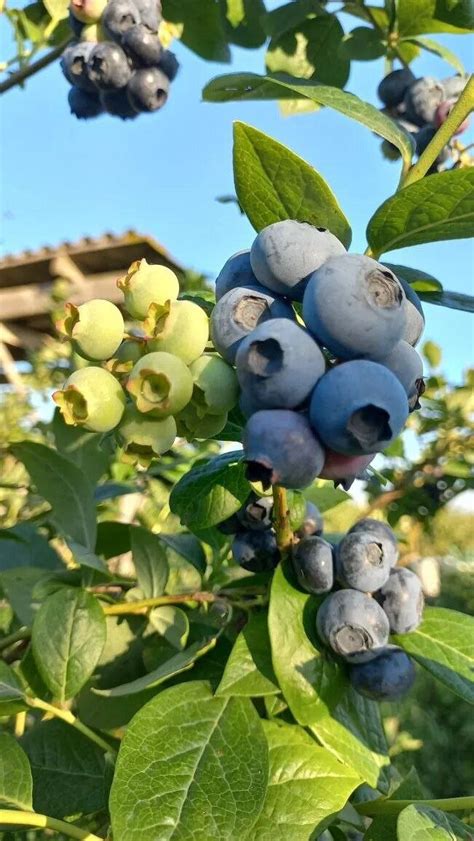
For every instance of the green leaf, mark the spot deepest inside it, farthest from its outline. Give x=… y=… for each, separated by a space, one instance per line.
x=19 y=587
x=68 y=636
x=243 y=22
x=288 y=16
x=211 y=492
x=11 y=692
x=81 y=447
x=440 y=50
x=16 y=784
x=113 y=538
x=273 y=183
x=172 y=623
x=250 y=86
x=57 y=9
x=419 y=280
x=384 y=827
x=306 y=784
x=310 y=682
x=69 y=771
x=444 y=646
x=65 y=487
x=202 y=23
x=189 y=547
x=174 y=782
x=311 y=50
x=84 y=557
x=452 y=16
x=451 y=300
x=249 y=671
x=150 y=562
x=423 y=823
x=354 y=733
x=111 y=490
x=363 y=44
x=181 y=662
x=24 y=546
x=438 y=207
x=324 y=495
x=432 y=352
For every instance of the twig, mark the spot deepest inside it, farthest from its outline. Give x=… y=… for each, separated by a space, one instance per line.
x=393 y=807
x=21 y=75
x=69 y=718
x=143 y=605
x=22 y=634
x=13 y=817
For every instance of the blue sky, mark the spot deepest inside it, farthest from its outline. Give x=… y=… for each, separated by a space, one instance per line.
x=62 y=179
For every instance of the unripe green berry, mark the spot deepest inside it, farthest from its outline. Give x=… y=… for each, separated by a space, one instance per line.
x=143 y=437
x=129 y=352
x=160 y=383
x=92 y=398
x=178 y=327
x=87 y=11
x=215 y=384
x=93 y=32
x=95 y=328
x=144 y=285
x=192 y=423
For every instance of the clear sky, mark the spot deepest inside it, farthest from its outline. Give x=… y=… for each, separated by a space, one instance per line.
x=63 y=179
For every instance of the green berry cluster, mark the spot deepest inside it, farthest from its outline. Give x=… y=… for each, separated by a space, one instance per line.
x=150 y=378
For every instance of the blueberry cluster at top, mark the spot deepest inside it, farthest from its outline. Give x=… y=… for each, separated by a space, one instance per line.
x=369 y=598
x=118 y=64
x=321 y=397
x=150 y=379
x=420 y=106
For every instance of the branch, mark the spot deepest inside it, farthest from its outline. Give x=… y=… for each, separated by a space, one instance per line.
x=21 y=75
x=393 y=807
x=143 y=605
x=14 y=818
x=22 y=634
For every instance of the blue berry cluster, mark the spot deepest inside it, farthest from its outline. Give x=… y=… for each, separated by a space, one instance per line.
x=369 y=598
x=118 y=64
x=322 y=393
x=420 y=106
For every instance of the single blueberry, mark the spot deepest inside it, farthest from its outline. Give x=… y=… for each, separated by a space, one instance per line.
x=284 y=254
x=278 y=365
x=239 y=312
x=256 y=514
x=150 y=13
x=312 y=523
x=393 y=87
x=148 y=89
x=363 y=562
x=386 y=678
x=117 y=103
x=280 y=448
x=84 y=105
x=256 y=551
x=108 y=66
x=422 y=99
x=169 y=65
x=358 y=408
x=232 y=525
x=414 y=315
x=402 y=600
x=142 y=45
x=407 y=365
x=237 y=271
x=313 y=563
x=119 y=15
x=354 y=306
x=379 y=531
x=353 y=625
x=74 y=65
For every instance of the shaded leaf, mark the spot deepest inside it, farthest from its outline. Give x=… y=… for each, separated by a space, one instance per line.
x=249 y=671
x=243 y=22
x=363 y=44
x=202 y=24
x=150 y=562
x=273 y=183
x=189 y=547
x=16 y=784
x=172 y=623
x=312 y=50
x=287 y=17
x=24 y=546
x=384 y=827
x=211 y=492
x=68 y=636
x=81 y=447
x=324 y=495
x=19 y=586
x=423 y=823
x=210 y=787
x=84 y=557
x=11 y=692
x=444 y=645
x=438 y=207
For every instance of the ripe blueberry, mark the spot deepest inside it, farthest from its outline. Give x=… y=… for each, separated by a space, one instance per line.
x=160 y=383
x=353 y=625
x=108 y=67
x=146 y=284
x=239 y=312
x=407 y=365
x=169 y=65
x=150 y=13
x=148 y=89
x=178 y=327
x=358 y=408
x=278 y=365
x=143 y=437
x=74 y=65
x=386 y=678
x=84 y=104
x=363 y=562
x=117 y=103
x=285 y=253
x=92 y=398
x=280 y=448
x=422 y=99
x=354 y=306
x=142 y=45
x=256 y=514
x=402 y=600
x=393 y=87
x=120 y=15
x=237 y=271
x=215 y=384
x=314 y=565
x=256 y=551
x=94 y=328
x=379 y=531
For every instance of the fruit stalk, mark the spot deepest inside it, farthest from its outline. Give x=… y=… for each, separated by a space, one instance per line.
x=393 y=807
x=463 y=107
x=281 y=515
x=15 y=817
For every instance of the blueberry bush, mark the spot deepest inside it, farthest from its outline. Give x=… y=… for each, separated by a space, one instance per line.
x=185 y=651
